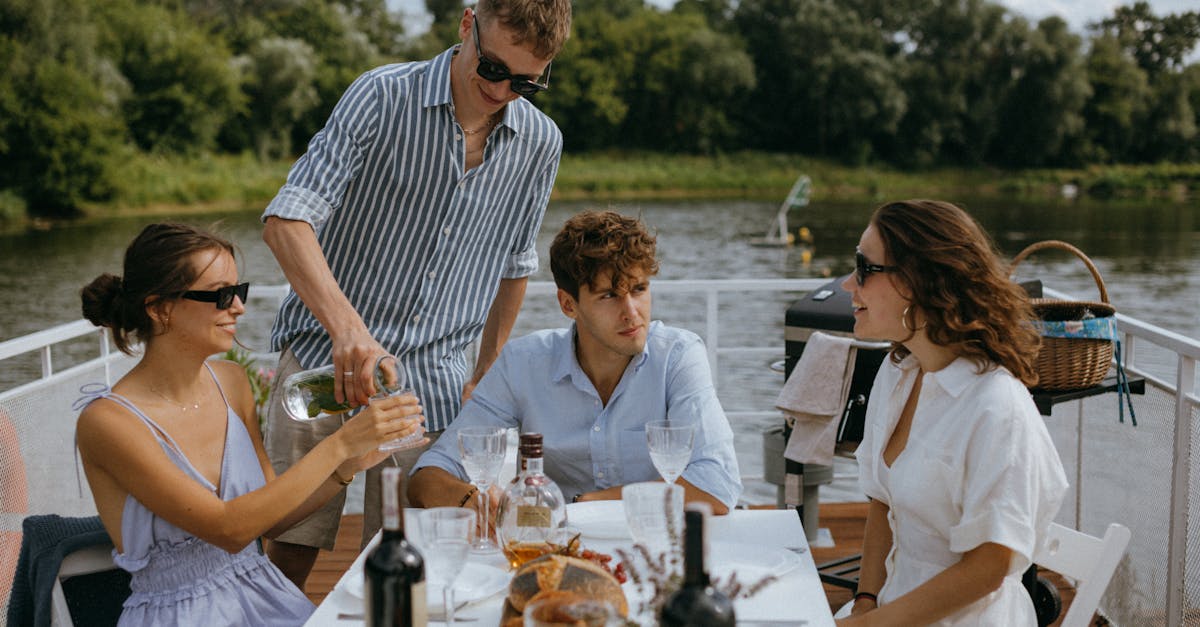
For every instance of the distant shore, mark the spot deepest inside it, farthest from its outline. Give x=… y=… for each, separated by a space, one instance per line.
x=162 y=186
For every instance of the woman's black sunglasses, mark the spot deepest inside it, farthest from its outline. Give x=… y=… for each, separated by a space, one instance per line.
x=862 y=269
x=223 y=297
x=495 y=72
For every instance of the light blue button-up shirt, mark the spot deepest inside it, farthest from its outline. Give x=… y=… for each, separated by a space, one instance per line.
x=537 y=386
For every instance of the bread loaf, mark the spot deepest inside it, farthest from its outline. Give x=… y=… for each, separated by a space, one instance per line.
x=563 y=573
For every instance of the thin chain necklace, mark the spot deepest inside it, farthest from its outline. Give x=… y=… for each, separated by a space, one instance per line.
x=182 y=407
x=487 y=124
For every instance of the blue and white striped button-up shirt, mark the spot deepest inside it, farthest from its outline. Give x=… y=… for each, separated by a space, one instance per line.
x=417 y=245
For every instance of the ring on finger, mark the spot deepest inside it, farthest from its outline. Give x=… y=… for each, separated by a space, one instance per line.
x=348 y=373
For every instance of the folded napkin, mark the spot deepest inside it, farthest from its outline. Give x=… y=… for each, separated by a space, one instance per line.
x=814 y=397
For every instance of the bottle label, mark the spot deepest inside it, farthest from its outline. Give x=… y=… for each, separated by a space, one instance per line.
x=533 y=516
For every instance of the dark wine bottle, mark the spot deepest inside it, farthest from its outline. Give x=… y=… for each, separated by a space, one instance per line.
x=696 y=602
x=395 y=571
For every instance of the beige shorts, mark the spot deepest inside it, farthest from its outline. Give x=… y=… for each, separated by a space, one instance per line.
x=288 y=440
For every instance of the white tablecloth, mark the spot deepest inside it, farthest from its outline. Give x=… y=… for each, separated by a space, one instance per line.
x=796 y=598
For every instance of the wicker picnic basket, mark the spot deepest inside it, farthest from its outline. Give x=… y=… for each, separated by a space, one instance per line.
x=1070 y=363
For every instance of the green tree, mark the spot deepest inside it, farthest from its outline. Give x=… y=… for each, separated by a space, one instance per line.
x=60 y=133
x=1117 y=107
x=1158 y=44
x=279 y=79
x=1040 y=121
x=183 y=86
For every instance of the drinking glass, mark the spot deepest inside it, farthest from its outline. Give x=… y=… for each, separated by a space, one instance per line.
x=482 y=451
x=654 y=513
x=670 y=447
x=446 y=538
x=391 y=379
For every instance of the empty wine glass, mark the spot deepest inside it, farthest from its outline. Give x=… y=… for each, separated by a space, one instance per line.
x=670 y=447
x=482 y=451
x=391 y=379
x=446 y=538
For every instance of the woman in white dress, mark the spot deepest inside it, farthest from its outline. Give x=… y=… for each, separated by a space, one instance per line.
x=961 y=472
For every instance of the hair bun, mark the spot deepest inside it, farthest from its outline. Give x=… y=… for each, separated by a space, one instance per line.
x=102 y=302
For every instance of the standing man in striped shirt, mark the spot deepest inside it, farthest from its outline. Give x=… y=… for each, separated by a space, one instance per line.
x=409 y=228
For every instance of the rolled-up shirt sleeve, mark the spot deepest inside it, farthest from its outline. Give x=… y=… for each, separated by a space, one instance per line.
x=691 y=397
x=523 y=260
x=316 y=184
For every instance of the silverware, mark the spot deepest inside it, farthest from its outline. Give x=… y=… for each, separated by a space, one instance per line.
x=433 y=616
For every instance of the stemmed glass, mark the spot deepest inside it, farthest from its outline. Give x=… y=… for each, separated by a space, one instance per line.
x=446 y=535
x=670 y=447
x=482 y=450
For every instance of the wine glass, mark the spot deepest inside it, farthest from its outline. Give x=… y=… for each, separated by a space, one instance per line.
x=482 y=450
x=670 y=447
x=446 y=536
x=391 y=379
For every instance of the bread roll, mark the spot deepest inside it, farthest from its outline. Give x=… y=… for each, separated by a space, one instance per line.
x=571 y=574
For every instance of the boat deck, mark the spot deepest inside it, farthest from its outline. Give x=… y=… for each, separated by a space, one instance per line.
x=845 y=522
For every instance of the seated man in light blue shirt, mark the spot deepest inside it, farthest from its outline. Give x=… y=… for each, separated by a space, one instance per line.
x=590 y=389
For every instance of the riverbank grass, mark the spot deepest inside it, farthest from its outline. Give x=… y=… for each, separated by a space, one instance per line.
x=165 y=185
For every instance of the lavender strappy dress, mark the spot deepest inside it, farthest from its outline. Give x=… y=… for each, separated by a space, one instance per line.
x=179 y=579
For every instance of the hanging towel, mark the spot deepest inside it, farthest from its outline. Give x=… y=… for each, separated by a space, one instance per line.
x=814 y=397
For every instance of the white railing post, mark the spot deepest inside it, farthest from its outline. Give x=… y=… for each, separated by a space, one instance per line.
x=1181 y=468
x=47 y=362
x=711 y=334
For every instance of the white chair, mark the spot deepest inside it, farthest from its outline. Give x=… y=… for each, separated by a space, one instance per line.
x=1090 y=561
x=93 y=559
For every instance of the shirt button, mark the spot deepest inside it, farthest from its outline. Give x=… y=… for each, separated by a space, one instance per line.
x=432 y=274
x=462 y=184
x=596 y=428
x=457 y=136
x=600 y=475
x=417 y=318
x=446 y=231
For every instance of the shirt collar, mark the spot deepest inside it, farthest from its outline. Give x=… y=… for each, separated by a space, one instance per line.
x=954 y=378
x=437 y=94
x=567 y=363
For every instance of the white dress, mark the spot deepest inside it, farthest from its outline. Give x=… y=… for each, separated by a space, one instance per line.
x=979 y=466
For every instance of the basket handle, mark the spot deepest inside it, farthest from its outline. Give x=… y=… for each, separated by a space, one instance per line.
x=1053 y=243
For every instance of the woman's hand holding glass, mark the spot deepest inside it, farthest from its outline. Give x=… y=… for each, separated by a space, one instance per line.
x=384 y=420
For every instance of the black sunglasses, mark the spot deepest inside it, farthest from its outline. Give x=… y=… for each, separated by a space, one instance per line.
x=862 y=269
x=223 y=297
x=495 y=72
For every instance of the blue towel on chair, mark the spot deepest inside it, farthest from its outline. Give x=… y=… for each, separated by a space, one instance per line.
x=47 y=540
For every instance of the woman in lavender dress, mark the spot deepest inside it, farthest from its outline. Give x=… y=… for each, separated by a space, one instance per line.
x=173 y=452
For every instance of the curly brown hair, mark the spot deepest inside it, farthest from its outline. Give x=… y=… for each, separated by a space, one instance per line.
x=594 y=241
x=959 y=284
x=545 y=23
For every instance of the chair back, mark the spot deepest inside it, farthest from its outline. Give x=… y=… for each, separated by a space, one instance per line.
x=1089 y=560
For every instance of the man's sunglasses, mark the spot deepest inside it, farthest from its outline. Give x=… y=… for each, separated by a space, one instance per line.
x=223 y=297
x=495 y=72
x=862 y=269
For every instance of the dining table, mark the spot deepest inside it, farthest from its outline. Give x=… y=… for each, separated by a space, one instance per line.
x=747 y=543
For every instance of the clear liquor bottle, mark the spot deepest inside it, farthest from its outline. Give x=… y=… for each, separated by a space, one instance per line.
x=532 y=509
x=394 y=570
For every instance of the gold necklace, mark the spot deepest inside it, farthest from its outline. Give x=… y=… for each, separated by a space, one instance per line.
x=182 y=407
x=487 y=124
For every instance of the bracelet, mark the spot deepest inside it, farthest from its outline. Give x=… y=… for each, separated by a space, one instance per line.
x=338 y=478
x=468 y=496
x=866 y=595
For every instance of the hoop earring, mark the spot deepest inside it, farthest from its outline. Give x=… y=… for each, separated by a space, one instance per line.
x=904 y=321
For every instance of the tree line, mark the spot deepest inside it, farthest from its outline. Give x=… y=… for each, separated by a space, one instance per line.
x=911 y=83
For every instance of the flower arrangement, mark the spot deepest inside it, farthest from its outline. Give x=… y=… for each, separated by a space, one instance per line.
x=658 y=576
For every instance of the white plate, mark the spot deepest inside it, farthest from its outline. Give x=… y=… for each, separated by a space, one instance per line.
x=476 y=581
x=599 y=520
x=750 y=561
